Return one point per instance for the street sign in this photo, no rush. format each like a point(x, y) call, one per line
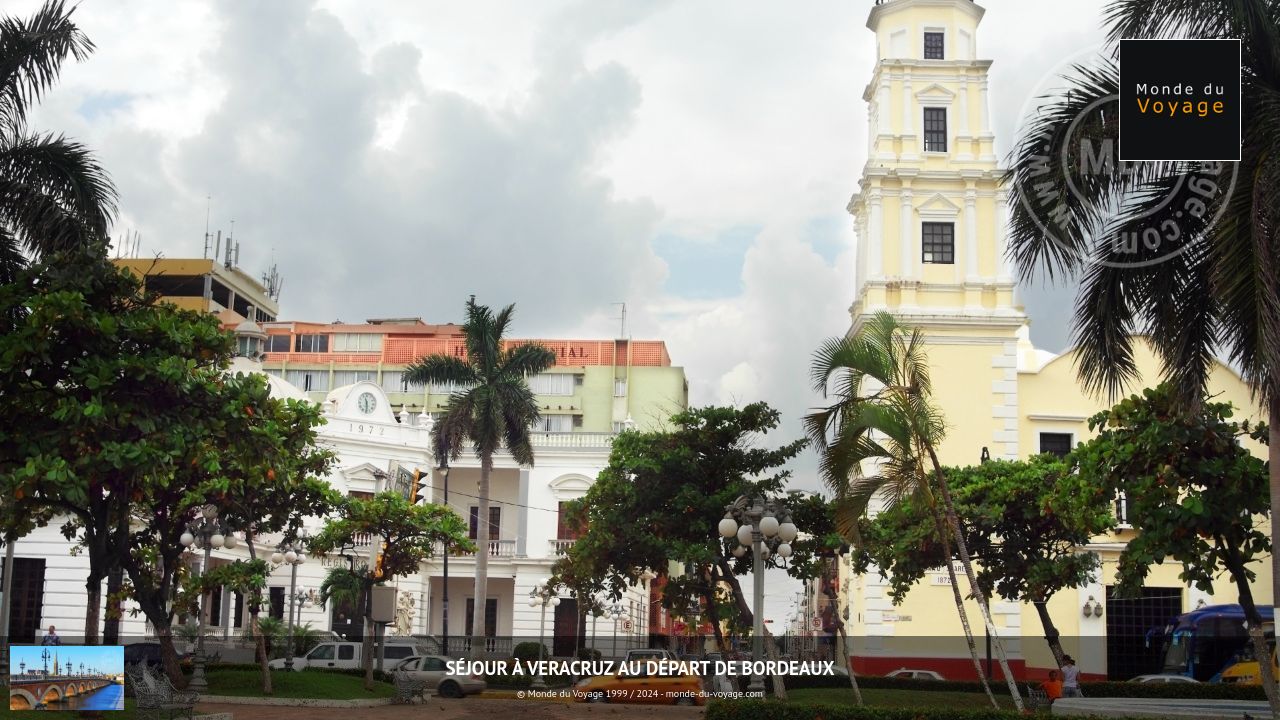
point(626, 625)
point(816, 623)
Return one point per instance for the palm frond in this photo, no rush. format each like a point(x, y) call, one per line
point(440, 369)
point(32, 51)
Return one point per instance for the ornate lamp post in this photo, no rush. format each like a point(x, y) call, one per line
point(206, 533)
point(293, 555)
point(615, 612)
point(765, 527)
point(542, 595)
point(44, 655)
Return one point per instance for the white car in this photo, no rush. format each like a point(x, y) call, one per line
point(433, 669)
point(907, 674)
point(346, 655)
point(1164, 678)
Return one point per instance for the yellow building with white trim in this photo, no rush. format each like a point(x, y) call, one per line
point(929, 215)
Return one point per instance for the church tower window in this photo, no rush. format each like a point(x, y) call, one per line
point(939, 243)
point(933, 46)
point(935, 129)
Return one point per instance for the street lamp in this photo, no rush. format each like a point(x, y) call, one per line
point(206, 533)
point(615, 612)
point(542, 594)
point(765, 527)
point(293, 555)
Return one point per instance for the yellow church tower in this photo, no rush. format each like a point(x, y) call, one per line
point(929, 217)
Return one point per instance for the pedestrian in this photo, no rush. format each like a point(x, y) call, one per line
point(51, 638)
point(1052, 687)
point(1070, 677)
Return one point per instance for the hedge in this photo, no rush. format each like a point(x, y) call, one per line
point(378, 676)
point(1183, 691)
point(771, 710)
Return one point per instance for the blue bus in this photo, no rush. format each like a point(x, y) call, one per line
point(1200, 644)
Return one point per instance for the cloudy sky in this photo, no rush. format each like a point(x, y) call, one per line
point(692, 159)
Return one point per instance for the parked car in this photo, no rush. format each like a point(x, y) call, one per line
point(434, 670)
point(1164, 678)
point(346, 655)
point(663, 689)
point(149, 654)
point(644, 654)
point(909, 674)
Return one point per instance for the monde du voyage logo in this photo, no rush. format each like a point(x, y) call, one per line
point(1179, 100)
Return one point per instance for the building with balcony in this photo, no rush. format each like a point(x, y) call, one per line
point(380, 430)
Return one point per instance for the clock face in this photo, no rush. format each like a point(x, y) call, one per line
point(366, 402)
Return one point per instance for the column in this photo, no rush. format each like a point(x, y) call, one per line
point(908, 235)
point(875, 238)
point(971, 235)
point(986, 115)
point(962, 122)
point(910, 142)
point(522, 541)
point(884, 119)
point(1002, 238)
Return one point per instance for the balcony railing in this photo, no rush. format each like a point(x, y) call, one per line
point(560, 546)
point(497, 548)
point(572, 440)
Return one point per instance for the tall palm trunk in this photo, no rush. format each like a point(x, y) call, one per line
point(945, 537)
point(1260, 650)
point(1273, 465)
point(482, 560)
point(954, 521)
point(844, 645)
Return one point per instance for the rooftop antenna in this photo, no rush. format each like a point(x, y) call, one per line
point(217, 246)
point(622, 331)
point(137, 242)
point(208, 200)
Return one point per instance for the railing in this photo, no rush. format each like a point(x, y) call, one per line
point(560, 546)
point(572, 440)
point(461, 646)
point(497, 548)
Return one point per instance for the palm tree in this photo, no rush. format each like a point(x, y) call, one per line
point(1215, 287)
point(883, 416)
point(491, 407)
point(53, 194)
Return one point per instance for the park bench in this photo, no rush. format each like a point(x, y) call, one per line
point(408, 687)
point(157, 697)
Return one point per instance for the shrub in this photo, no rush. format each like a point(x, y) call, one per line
point(769, 710)
point(589, 654)
point(527, 652)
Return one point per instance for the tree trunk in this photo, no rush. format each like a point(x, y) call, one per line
point(369, 629)
point(169, 657)
point(844, 644)
point(964, 614)
point(482, 560)
point(254, 609)
point(1051, 634)
point(6, 589)
point(93, 608)
point(1260, 650)
point(981, 597)
point(748, 618)
point(111, 626)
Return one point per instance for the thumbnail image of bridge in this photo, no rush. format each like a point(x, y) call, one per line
point(31, 692)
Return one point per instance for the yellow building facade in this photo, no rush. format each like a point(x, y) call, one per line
point(929, 216)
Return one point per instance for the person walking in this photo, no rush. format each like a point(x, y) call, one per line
point(51, 638)
point(1070, 677)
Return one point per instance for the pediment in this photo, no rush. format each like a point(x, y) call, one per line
point(938, 203)
point(363, 471)
point(935, 93)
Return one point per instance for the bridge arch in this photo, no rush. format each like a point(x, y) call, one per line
point(21, 700)
point(69, 690)
point(53, 693)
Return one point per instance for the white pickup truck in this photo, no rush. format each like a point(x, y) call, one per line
point(346, 655)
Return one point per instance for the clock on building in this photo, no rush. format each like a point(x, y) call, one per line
point(366, 402)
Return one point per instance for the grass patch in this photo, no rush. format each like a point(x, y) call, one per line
point(304, 684)
point(877, 697)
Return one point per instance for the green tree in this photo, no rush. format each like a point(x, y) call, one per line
point(1024, 523)
point(883, 417)
point(271, 479)
point(661, 497)
point(1212, 284)
point(491, 407)
point(96, 374)
point(53, 194)
point(406, 535)
point(1193, 488)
